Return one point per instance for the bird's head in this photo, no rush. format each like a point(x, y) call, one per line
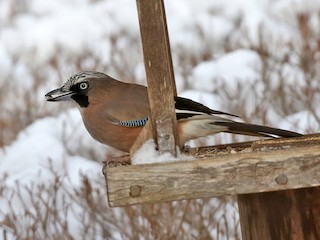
point(77, 88)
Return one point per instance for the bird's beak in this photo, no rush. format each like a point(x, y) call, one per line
point(59, 95)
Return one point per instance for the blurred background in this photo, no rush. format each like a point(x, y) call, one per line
point(256, 59)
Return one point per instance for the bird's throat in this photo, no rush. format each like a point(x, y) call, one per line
point(81, 99)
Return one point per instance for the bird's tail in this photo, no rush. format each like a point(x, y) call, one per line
point(256, 130)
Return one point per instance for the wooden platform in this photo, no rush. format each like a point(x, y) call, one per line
point(250, 167)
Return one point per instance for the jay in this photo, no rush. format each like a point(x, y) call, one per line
point(115, 112)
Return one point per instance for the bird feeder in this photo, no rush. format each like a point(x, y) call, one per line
point(276, 181)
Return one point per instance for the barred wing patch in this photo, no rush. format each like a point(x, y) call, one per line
point(134, 123)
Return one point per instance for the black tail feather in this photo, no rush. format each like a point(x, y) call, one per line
point(256, 130)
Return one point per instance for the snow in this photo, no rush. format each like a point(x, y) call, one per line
point(5, 62)
point(232, 68)
point(48, 138)
point(48, 29)
point(210, 100)
point(42, 41)
point(227, 73)
point(304, 122)
point(288, 9)
point(44, 149)
point(147, 154)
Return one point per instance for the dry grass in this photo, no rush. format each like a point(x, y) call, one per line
point(43, 211)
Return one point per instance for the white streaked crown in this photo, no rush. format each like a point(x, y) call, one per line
point(80, 77)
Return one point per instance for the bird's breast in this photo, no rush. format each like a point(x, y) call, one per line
point(111, 134)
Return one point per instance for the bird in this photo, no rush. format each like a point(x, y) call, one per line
point(114, 112)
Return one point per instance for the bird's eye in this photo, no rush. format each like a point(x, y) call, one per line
point(83, 86)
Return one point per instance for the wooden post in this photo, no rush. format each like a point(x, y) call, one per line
point(283, 215)
point(159, 70)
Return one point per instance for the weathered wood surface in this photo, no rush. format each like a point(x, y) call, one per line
point(308, 139)
point(282, 215)
point(239, 173)
point(159, 70)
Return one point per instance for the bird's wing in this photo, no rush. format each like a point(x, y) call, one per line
point(186, 108)
point(129, 108)
point(132, 110)
point(139, 122)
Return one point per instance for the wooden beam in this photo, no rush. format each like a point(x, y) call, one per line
point(282, 215)
point(239, 173)
point(160, 76)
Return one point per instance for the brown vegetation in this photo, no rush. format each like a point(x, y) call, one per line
point(50, 205)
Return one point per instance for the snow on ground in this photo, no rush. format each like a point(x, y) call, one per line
point(47, 145)
point(302, 122)
point(49, 138)
point(229, 71)
point(238, 67)
point(32, 36)
point(53, 26)
point(51, 142)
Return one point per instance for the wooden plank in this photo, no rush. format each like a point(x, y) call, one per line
point(160, 76)
point(282, 215)
point(290, 214)
point(273, 143)
point(239, 173)
point(308, 139)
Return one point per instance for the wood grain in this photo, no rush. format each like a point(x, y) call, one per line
point(240, 173)
point(160, 75)
point(282, 215)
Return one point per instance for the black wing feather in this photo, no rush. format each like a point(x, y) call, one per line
point(189, 105)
